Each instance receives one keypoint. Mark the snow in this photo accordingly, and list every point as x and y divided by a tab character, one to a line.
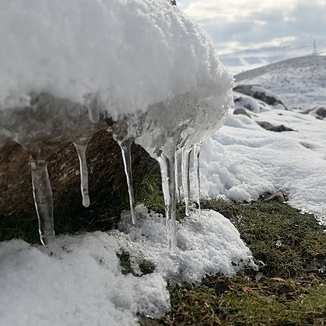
299	82
78	281
242	161
127	54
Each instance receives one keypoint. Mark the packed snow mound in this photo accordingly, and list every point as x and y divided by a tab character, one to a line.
127	54
207	243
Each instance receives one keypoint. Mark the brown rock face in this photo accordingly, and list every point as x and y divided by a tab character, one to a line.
107	183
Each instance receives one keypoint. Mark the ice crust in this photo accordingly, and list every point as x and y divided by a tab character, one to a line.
67	66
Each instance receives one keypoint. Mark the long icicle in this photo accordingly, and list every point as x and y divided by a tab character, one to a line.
81	145
43	200
196	150
167	165
185	177
178	170
126	156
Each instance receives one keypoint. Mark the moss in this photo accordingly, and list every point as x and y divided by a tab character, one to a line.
125	263
150	193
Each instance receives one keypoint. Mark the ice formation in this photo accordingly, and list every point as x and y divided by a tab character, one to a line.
142	63
81	145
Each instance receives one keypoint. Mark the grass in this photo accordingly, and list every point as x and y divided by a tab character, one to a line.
289	288
240	300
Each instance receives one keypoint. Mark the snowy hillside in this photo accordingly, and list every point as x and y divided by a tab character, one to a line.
242	160
299	82
244	60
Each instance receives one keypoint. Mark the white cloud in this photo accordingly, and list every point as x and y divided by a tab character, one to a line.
235	24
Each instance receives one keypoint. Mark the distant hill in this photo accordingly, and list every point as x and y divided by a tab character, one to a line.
299	82
244	60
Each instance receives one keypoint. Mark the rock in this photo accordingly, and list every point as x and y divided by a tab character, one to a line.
277	196
264	124
241	111
247	102
259	93
319	112
268	126
107	181
280	128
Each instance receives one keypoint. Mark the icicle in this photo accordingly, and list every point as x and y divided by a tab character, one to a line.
185	177
43	200
93	108
168	185
178	169
94	114
125	146
81	145
196	150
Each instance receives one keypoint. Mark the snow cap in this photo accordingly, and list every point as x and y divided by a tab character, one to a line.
129	54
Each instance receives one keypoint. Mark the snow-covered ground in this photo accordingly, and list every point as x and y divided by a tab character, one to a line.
299	82
242	161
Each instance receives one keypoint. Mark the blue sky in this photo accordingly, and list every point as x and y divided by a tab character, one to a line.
241	24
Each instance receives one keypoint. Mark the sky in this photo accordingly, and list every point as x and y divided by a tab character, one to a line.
238	25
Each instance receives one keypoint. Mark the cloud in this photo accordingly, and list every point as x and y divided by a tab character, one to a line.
237	24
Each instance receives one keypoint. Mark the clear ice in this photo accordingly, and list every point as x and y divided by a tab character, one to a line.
42	194
186	177
43	128
81	146
196	151
124	132
169	131
178	175
125	147
167	165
